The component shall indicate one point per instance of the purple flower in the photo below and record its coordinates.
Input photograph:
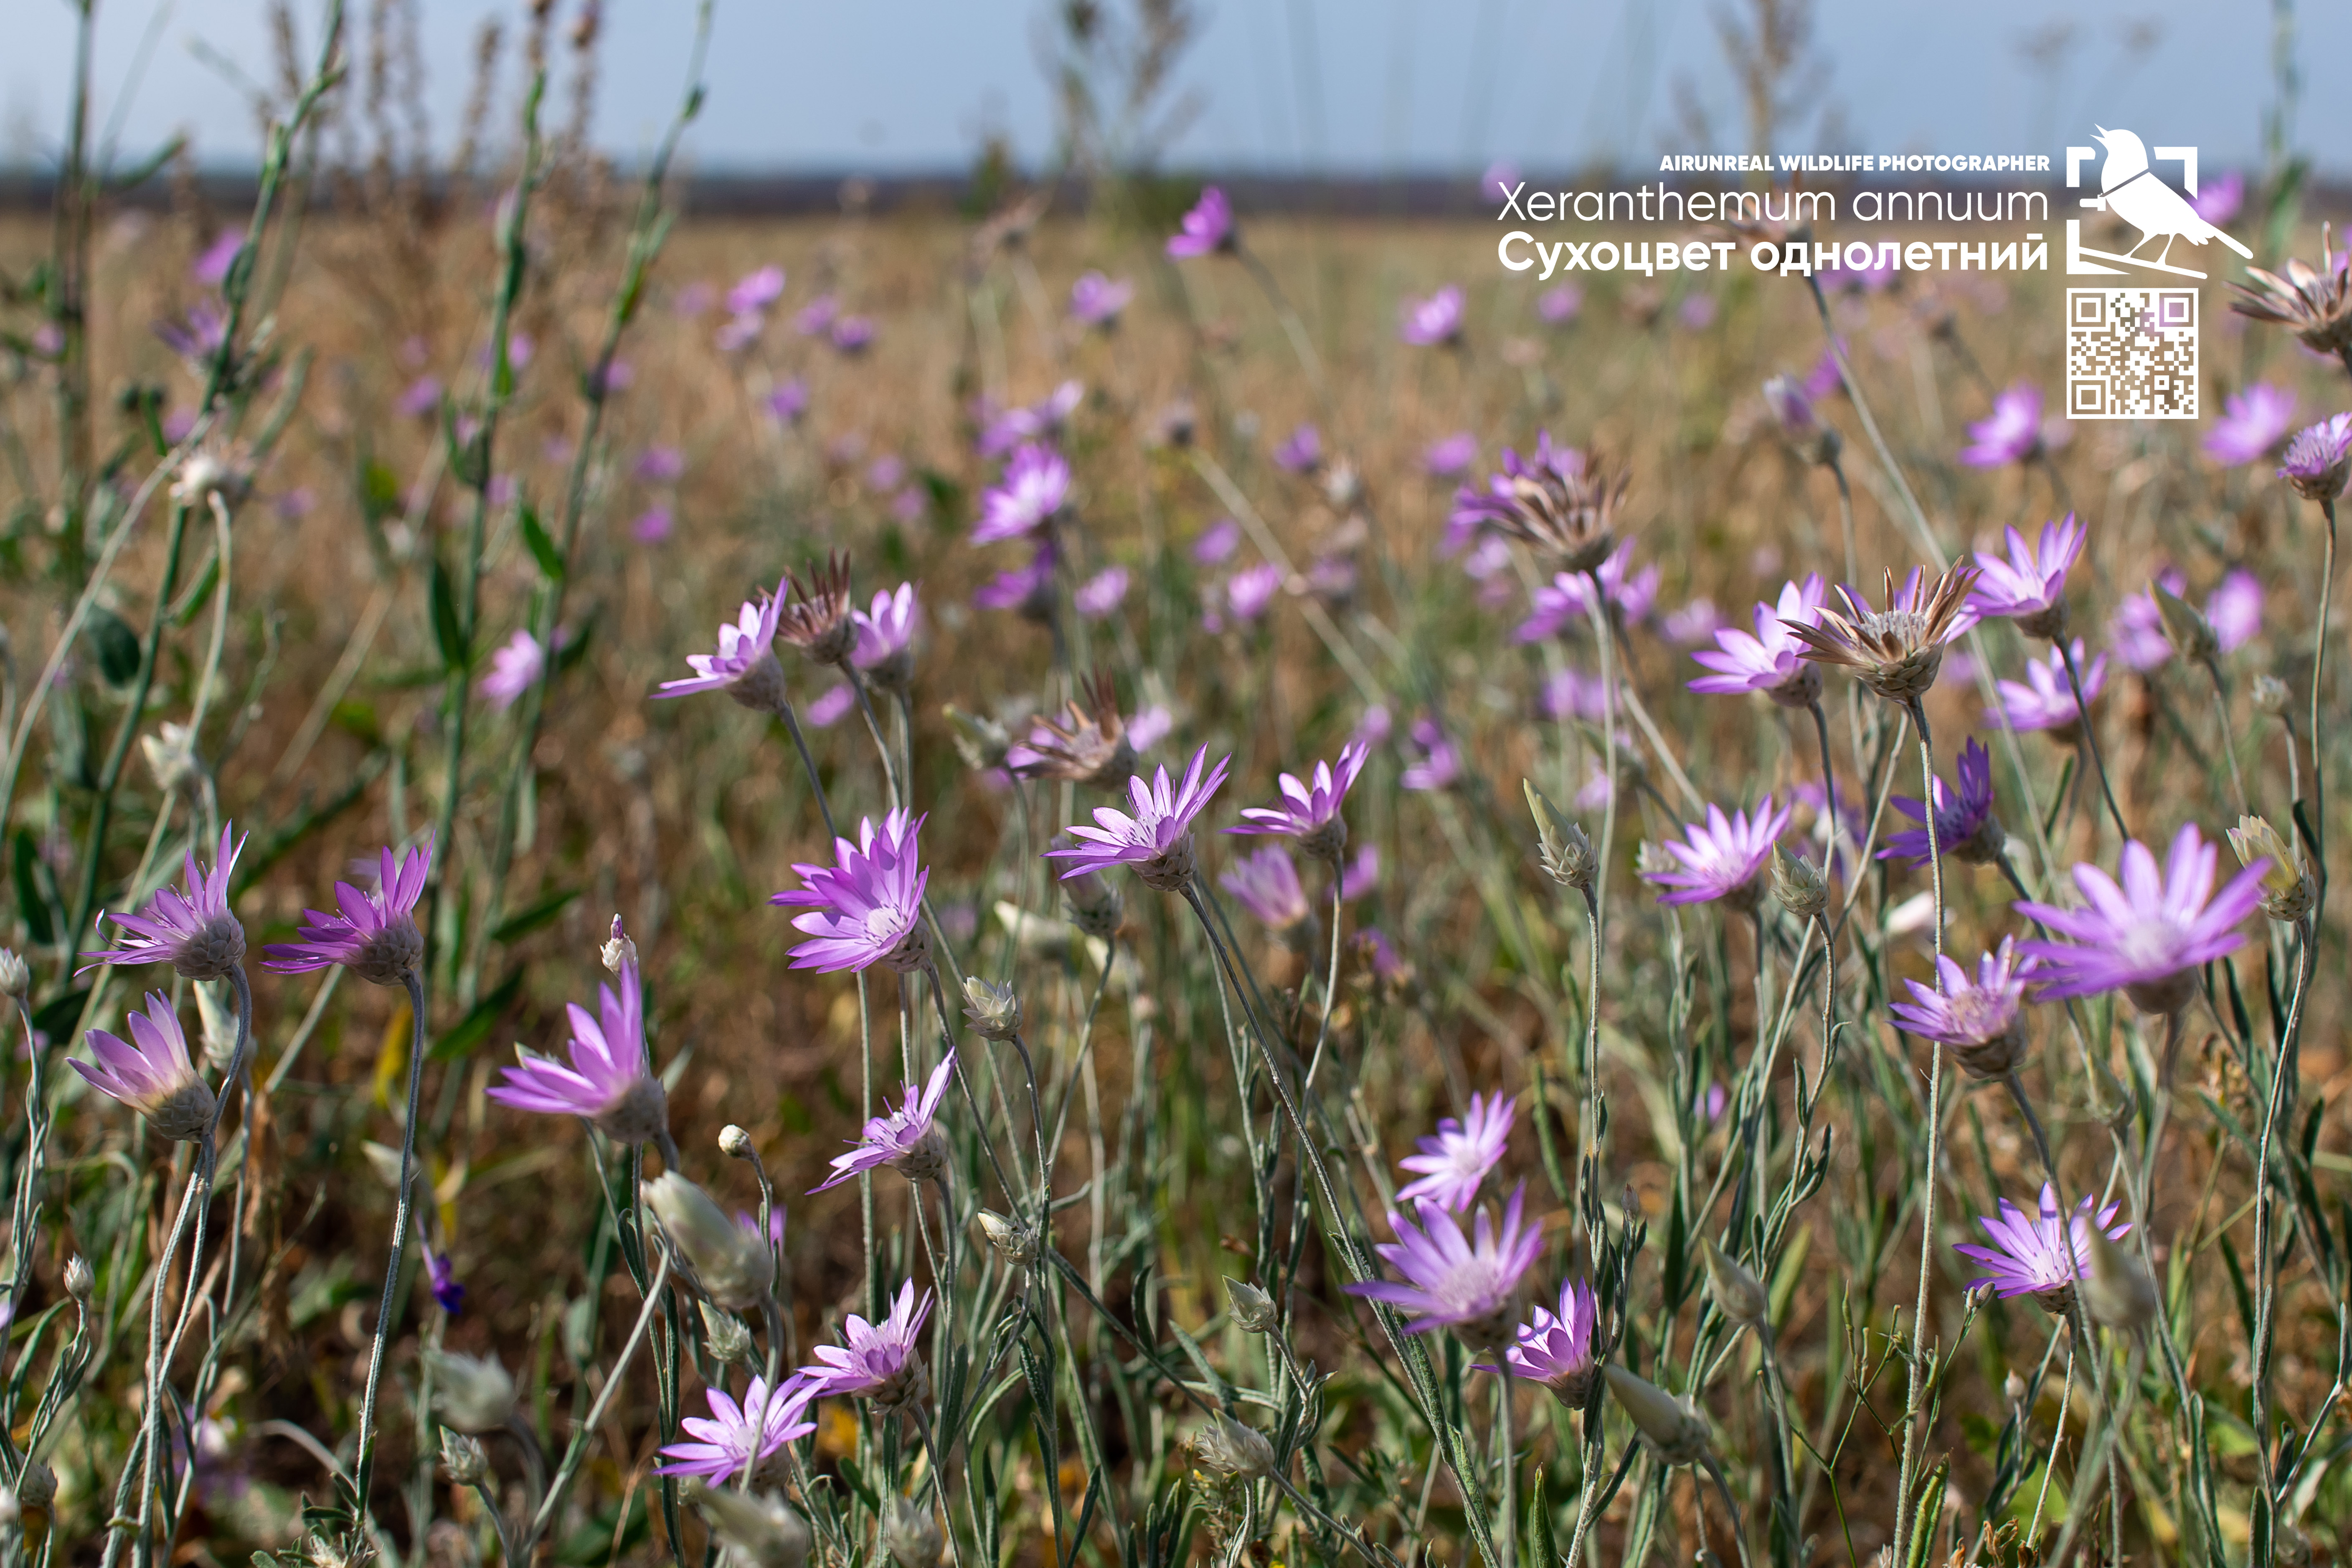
(1452, 1164)
(2013, 433)
(373, 934)
(1770, 662)
(1555, 1347)
(196, 337)
(441, 1279)
(788, 402)
(211, 268)
(2030, 587)
(1557, 307)
(725, 1445)
(192, 931)
(1217, 542)
(1097, 300)
(738, 332)
(1433, 322)
(1977, 1018)
(1150, 727)
(1439, 766)
(1722, 857)
(1045, 419)
(907, 1139)
(1266, 883)
(853, 334)
(152, 1072)
(2045, 701)
(1453, 1281)
(1303, 452)
(1569, 600)
(755, 291)
(2235, 610)
(1207, 229)
(1501, 178)
(1572, 694)
(2148, 936)
(2251, 425)
(817, 318)
(660, 465)
(1250, 590)
(1451, 458)
(867, 907)
(2219, 201)
(1691, 623)
(421, 397)
(2042, 1256)
(1157, 837)
(515, 667)
(1035, 485)
(875, 1360)
(1696, 313)
(745, 666)
(1028, 589)
(1965, 826)
(2319, 458)
(1309, 810)
(830, 707)
(1101, 595)
(885, 637)
(610, 1081)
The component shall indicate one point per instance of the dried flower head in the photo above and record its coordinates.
(1798, 884)
(1093, 748)
(816, 616)
(2269, 695)
(1560, 502)
(1014, 1242)
(1896, 651)
(2288, 891)
(2314, 304)
(726, 1336)
(463, 1459)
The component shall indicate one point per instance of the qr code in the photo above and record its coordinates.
(2131, 353)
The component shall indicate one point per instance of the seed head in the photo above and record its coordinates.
(1566, 854)
(1896, 651)
(1797, 883)
(994, 1010)
(1252, 1307)
(462, 1458)
(2288, 891)
(815, 616)
(1226, 1447)
(2316, 305)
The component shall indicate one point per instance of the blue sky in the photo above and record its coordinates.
(1354, 85)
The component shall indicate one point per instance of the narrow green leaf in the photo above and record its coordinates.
(542, 548)
(115, 644)
(446, 631)
(38, 927)
(192, 604)
(541, 914)
(475, 1027)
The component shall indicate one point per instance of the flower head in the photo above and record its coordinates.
(1094, 747)
(371, 934)
(1722, 857)
(2046, 699)
(1266, 883)
(609, 1082)
(875, 1360)
(2314, 304)
(1156, 838)
(1568, 600)
(515, 668)
(1035, 485)
(1966, 828)
(1439, 766)
(2288, 891)
(1451, 1164)
(1470, 1283)
(2319, 458)
(1251, 591)
(2252, 424)
(1101, 596)
(1309, 810)
(1041, 421)
(1801, 426)
(1302, 453)
(1772, 661)
(908, 1140)
(1028, 589)
(2038, 1254)
(1435, 321)
(1557, 307)
(152, 1071)
(2149, 935)
(745, 666)
(441, 1277)
(2030, 586)
(1896, 651)
(2012, 434)
(1097, 300)
(1981, 1018)
(737, 1437)
(730, 1263)
(192, 931)
(756, 291)
(867, 907)
(885, 637)
(1558, 500)
(817, 613)
(1207, 229)
(1554, 1347)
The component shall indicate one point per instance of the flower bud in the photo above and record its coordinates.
(911, 1536)
(734, 1143)
(1671, 1428)
(1566, 854)
(2120, 1292)
(473, 1394)
(761, 1531)
(980, 742)
(1226, 1447)
(2270, 695)
(618, 949)
(216, 1022)
(994, 1010)
(1015, 1242)
(729, 1263)
(1342, 485)
(2013, 1388)
(724, 1335)
(1797, 883)
(37, 1487)
(2288, 891)
(80, 1279)
(1096, 906)
(1792, 411)
(2191, 634)
(462, 1458)
(1740, 1295)
(171, 757)
(1252, 1307)
(15, 974)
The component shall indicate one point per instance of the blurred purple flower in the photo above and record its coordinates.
(1452, 1164)
(441, 1277)
(1693, 623)
(654, 525)
(2220, 199)
(1454, 1282)
(693, 299)
(2045, 701)
(1302, 453)
(2012, 435)
(1207, 229)
(867, 907)
(1572, 694)
(885, 636)
(1451, 456)
(1557, 307)
(2252, 424)
(830, 707)
(1696, 313)
(853, 334)
(817, 318)
(1042, 421)
(1433, 322)
(421, 397)
(660, 465)
(1439, 765)
(788, 402)
(1251, 591)
(1721, 858)
(1265, 882)
(1568, 601)
(1217, 542)
(1310, 808)
(211, 268)
(2235, 610)
(515, 667)
(1028, 589)
(737, 333)
(1101, 595)
(1501, 178)
(1035, 485)
(1097, 300)
(755, 291)
(195, 337)
(1823, 380)
(2150, 935)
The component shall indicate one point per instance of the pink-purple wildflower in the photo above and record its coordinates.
(1439, 764)
(609, 1080)
(1101, 596)
(1567, 600)
(2319, 459)
(880, 1361)
(1470, 1284)
(2040, 1255)
(1450, 456)
(1554, 1347)
(373, 934)
(192, 929)
(747, 1436)
(1036, 485)
(2012, 434)
(515, 668)
(2044, 700)
(1265, 882)
(885, 637)
(1770, 660)
(1966, 828)
(2253, 425)
(1722, 857)
(1097, 300)
(1156, 837)
(907, 1139)
(1433, 322)
(2030, 586)
(867, 907)
(1309, 810)
(745, 666)
(1451, 1165)
(1027, 589)
(1980, 1017)
(2149, 935)
(152, 1072)
(1301, 452)
(1207, 229)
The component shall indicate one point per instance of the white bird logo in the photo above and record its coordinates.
(2130, 190)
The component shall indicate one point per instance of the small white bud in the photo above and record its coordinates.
(37, 1487)
(1566, 854)
(15, 974)
(994, 1010)
(2270, 695)
(2013, 1388)
(462, 1458)
(1226, 1447)
(1017, 1243)
(1738, 1293)
(1797, 882)
(473, 1394)
(618, 949)
(911, 1536)
(734, 1143)
(80, 1279)
(12, 1512)
(1252, 1307)
(725, 1335)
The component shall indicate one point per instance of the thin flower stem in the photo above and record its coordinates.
(613, 1381)
(1330, 983)
(362, 1463)
(2091, 736)
(1509, 1457)
(2041, 1139)
(784, 710)
(1845, 518)
(873, 728)
(2228, 738)
(1292, 325)
(2318, 673)
(2283, 1069)
(1905, 1523)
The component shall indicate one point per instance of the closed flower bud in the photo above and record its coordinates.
(724, 1335)
(1096, 906)
(1737, 1293)
(1015, 1242)
(1797, 883)
(37, 1487)
(462, 1458)
(729, 1262)
(1566, 853)
(217, 1021)
(1226, 1447)
(618, 949)
(80, 1279)
(15, 974)
(2191, 634)
(1792, 410)
(1253, 1308)
(980, 742)
(2270, 695)
(761, 1531)
(1342, 485)
(1671, 1428)
(2013, 1388)
(2120, 1292)
(734, 1143)
(2288, 891)
(994, 1010)
(473, 1394)
(911, 1536)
